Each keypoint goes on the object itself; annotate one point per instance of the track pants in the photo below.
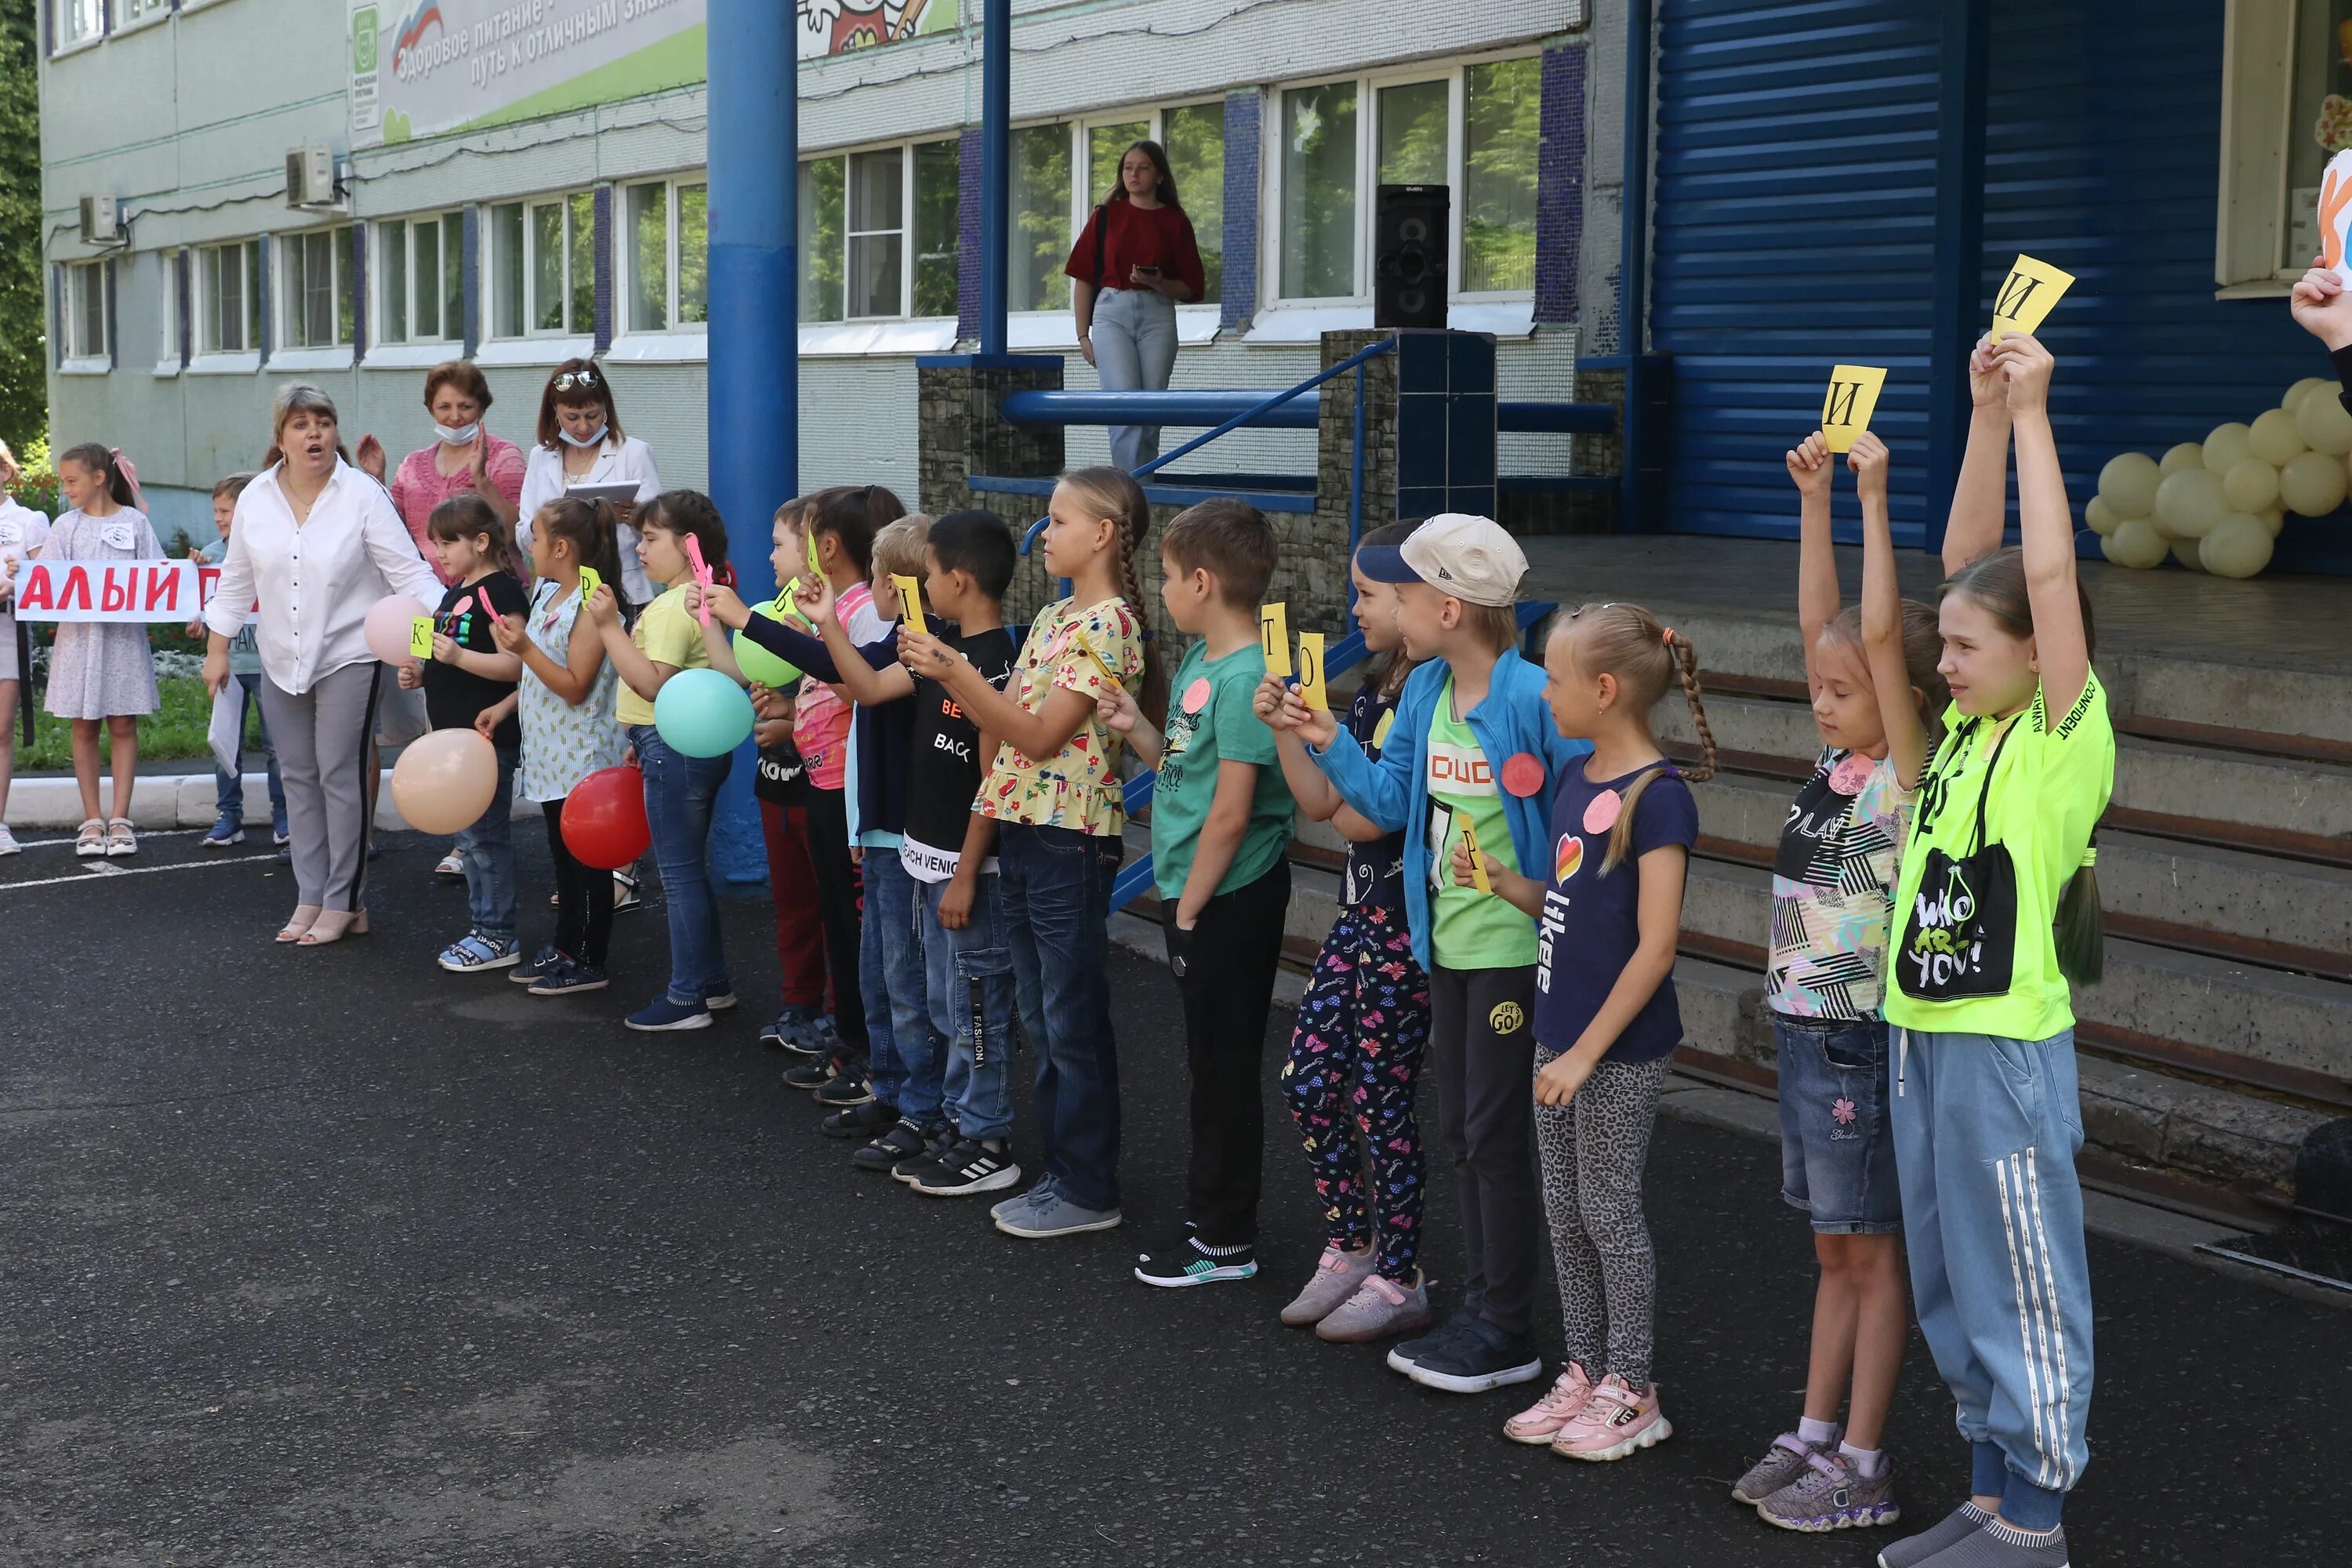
(324, 739)
(1482, 1044)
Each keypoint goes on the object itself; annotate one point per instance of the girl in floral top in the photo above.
(1053, 789)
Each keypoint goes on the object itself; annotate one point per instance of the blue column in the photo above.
(754, 372)
(995, 169)
(1958, 297)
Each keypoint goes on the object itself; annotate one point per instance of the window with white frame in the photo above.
(316, 268)
(82, 309)
(420, 266)
(1473, 128)
(879, 233)
(2286, 110)
(77, 22)
(126, 12)
(665, 255)
(542, 267)
(1049, 210)
(227, 296)
(170, 353)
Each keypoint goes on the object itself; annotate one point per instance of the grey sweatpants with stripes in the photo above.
(324, 737)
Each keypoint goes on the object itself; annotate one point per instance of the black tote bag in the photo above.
(1960, 936)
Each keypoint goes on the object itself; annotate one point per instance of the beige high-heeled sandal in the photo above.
(305, 917)
(333, 925)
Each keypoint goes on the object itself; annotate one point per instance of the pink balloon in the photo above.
(387, 626)
(442, 783)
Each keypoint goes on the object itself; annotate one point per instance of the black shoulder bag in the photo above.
(1960, 937)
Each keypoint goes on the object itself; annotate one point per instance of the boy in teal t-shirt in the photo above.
(1220, 824)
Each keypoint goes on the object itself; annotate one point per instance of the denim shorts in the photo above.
(1837, 1150)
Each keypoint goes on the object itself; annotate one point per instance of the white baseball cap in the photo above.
(1470, 558)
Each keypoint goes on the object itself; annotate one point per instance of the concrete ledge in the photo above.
(175, 800)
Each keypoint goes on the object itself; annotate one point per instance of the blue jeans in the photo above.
(1985, 1132)
(1055, 887)
(228, 789)
(1837, 1150)
(972, 1000)
(902, 1056)
(680, 791)
(487, 850)
(1135, 349)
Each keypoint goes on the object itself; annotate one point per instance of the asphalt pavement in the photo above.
(326, 1256)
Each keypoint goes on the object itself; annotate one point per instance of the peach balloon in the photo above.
(444, 782)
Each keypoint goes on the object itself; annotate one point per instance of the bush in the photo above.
(174, 733)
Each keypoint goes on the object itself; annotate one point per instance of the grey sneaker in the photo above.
(1054, 1215)
(1379, 1309)
(1833, 1495)
(1998, 1545)
(1337, 1276)
(1956, 1527)
(1023, 1202)
(1783, 1462)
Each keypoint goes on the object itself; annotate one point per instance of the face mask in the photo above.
(593, 438)
(460, 436)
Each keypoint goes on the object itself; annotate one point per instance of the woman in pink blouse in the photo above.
(463, 460)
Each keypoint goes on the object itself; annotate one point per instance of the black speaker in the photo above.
(1408, 254)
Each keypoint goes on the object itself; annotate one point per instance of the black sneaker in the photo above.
(903, 1141)
(844, 1089)
(860, 1121)
(567, 976)
(937, 1141)
(1188, 1261)
(531, 968)
(789, 1030)
(1404, 1357)
(814, 1072)
(968, 1166)
(1480, 1357)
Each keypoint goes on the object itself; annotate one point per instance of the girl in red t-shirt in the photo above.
(1134, 263)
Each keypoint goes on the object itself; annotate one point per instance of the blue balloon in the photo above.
(701, 713)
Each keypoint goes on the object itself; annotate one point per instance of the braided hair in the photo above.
(1645, 657)
(1109, 492)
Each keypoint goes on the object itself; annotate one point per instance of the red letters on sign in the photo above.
(162, 587)
(37, 594)
(114, 589)
(77, 585)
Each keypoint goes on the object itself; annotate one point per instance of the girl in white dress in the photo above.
(101, 672)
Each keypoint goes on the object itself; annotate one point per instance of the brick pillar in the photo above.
(961, 433)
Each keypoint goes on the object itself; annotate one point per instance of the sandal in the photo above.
(305, 917)
(90, 842)
(119, 839)
(333, 925)
(624, 893)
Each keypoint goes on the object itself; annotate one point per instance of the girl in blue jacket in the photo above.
(1473, 758)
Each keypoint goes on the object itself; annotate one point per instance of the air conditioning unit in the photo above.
(311, 177)
(101, 220)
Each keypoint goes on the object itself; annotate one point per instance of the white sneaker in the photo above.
(8, 844)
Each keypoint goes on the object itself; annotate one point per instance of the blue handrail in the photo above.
(1297, 412)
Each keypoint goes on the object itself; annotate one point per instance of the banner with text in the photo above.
(114, 590)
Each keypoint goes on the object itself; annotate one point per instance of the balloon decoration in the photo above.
(604, 821)
(701, 713)
(2218, 505)
(758, 664)
(445, 781)
(386, 629)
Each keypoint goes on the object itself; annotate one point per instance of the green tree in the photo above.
(24, 318)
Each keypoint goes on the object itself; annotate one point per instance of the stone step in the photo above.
(2287, 1021)
(2254, 898)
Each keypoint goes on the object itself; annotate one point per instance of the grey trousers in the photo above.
(1134, 333)
(323, 739)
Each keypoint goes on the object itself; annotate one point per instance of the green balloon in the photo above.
(758, 664)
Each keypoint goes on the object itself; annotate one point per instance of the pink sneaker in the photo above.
(1542, 1422)
(1613, 1423)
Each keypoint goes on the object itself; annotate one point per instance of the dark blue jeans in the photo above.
(487, 850)
(971, 995)
(904, 1058)
(228, 789)
(1056, 886)
(679, 790)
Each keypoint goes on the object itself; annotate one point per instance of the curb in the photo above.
(178, 800)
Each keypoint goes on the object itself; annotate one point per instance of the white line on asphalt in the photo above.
(102, 870)
(144, 833)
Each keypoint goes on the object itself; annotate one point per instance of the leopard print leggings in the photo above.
(1592, 1150)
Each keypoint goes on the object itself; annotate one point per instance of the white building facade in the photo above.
(521, 181)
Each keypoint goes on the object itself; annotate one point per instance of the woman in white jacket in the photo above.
(580, 446)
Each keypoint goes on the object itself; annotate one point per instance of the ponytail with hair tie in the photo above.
(1646, 656)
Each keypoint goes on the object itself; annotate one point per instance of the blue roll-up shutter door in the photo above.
(1795, 219)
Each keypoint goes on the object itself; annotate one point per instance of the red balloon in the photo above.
(604, 819)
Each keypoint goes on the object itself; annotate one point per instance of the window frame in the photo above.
(1454, 73)
(909, 255)
(60, 45)
(489, 260)
(1080, 129)
(381, 305)
(283, 349)
(203, 309)
(625, 258)
(2258, 129)
(118, 21)
(76, 355)
(171, 346)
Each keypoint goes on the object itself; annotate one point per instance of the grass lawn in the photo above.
(172, 734)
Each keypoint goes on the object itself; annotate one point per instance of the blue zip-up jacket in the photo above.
(884, 736)
(1394, 792)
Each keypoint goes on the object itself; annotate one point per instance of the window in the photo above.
(228, 298)
(542, 268)
(318, 293)
(129, 11)
(170, 351)
(422, 264)
(83, 311)
(2286, 108)
(1473, 128)
(78, 22)
(1048, 211)
(666, 252)
(879, 233)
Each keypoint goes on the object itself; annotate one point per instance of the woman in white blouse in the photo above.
(314, 545)
(581, 445)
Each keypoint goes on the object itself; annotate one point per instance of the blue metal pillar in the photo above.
(1959, 286)
(995, 170)
(1634, 262)
(754, 366)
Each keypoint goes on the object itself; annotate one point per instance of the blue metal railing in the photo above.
(1341, 657)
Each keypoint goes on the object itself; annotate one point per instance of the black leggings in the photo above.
(840, 898)
(584, 896)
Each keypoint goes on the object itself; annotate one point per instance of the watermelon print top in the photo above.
(1082, 648)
